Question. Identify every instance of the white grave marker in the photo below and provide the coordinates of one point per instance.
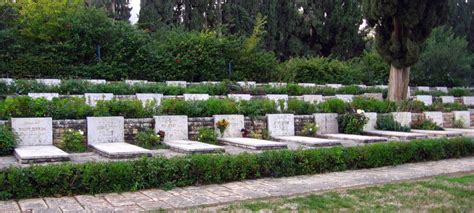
(404, 118)
(345, 98)
(7, 81)
(240, 97)
(47, 96)
(96, 81)
(334, 86)
(468, 100)
(426, 99)
(281, 124)
(149, 97)
(176, 83)
(49, 82)
(464, 116)
(174, 126)
(236, 124)
(105, 130)
(372, 122)
(447, 99)
(307, 84)
(277, 99)
(327, 123)
(442, 89)
(375, 96)
(277, 84)
(436, 117)
(247, 84)
(424, 89)
(93, 98)
(196, 97)
(134, 82)
(313, 98)
(33, 131)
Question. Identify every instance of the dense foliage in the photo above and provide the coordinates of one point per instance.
(159, 172)
(388, 123)
(73, 141)
(8, 140)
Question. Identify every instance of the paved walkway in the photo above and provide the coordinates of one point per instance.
(188, 197)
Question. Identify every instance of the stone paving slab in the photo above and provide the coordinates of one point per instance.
(401, 135)
(210, 195)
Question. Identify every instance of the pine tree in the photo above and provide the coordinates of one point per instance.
(401, 27)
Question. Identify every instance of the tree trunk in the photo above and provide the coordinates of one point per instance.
(398, 84)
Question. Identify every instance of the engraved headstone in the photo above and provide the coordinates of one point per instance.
(211, 82)
(307, 84)
(236, 124)
(176, 83)
(327, 123)
(47, 96)
(174, 126)
(247, 84)
(196, 97)
(404, 118)
(93, 98)
(105, 130)
(447, 99)
(149, 97)
(277, 84)
(381, 86)
(372, 121)
(240, 97)
(313, 98)
(464, 117)
(334, 86)
(424, 89)
(345, 98)
(279, 99)
(436, 117)
(134, 82)
(442, 89)
(96, 81)
(281, 124)
(7, 81)
(375, 96)
(33, 131)
(426, 99)
(49, 82)
(468, 100)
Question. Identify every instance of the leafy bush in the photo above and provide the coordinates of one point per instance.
(73, 141)
(8, 140)
(372, 105)
(458, 92)
(310, 129)
(352, 123)
(207, 135)
(148, 139)
(333, 106)
(386, 122)
(125, 108)
(160, 172)
(426, 124)
(371, 67)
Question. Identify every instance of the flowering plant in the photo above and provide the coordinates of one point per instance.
(222, 126)
(73, 141)
(352, 122)
(310, 129)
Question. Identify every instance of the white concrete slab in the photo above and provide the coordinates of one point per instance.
(334, 86)
(423, 88)
(464, 116)
(356, 138)
(149, 97)
(327, 122)
(313, 98)
(174, 126)
(467, 131)
(240, 97)
(447, 99)
(426, 99)
(188, 146)
(308, 141)
(33, 131)
(105, 130)
(442, 89)
(49, 82)
(437, 133)
(7, 81)
(372, 121)
(468, 100)
(307, 84)
(247, 84)
(277, 98)
(381, 86)
(251, 143)
(281, 124)
(120, 150)
(277, 84)
(37, 154)
(394, 134)
(345, 98)
(435, 116)
(196, 97)
(47, 96)
(236, 124)
(136, 82)
(96, 81)
(93, 98)
(404, 118)
(182, 84)
(375, 96)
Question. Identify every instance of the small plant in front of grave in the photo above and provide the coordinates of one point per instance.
(8, 140)
(459, 123)
(352, 122)
(386, 122)
(425, 124)
(148, 139)
(73, 141)
(310, 129)
(222, 126)
(245, 133)
(265, 134)
(207, 135)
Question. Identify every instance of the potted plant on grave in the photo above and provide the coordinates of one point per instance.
(222, 126)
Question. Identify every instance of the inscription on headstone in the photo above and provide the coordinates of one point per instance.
(176, 83)
(313, 98)
(105, 130)
(404, 118)
(327, 123)
(93, 98)
(96, 81)
(240, 97)
(196, 97)
(236, 124)
(468, 100)
(33, 131)
(464, 117)
(277, 84)
(426, 99)
(134, 82)
(281, 124)
(436, 117)
(149, 97)
(345, 98)
(174, 126)
(447, 99)
(49, 82)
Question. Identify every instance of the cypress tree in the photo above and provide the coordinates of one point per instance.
(401, 28)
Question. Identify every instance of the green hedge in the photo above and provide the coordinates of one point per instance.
(159, 172)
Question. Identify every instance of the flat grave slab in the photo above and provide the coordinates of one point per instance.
(356, 138)
(468, 100)
(191, 147)
(404, 118)
(49, 82)
(438, 133)
(251, 143)
(313, 98)
(93, 98)
(174, 126)
(47, 96)
(464, 116)
(33, 131)
(447, 99)
(120, 150)
(196, 97)
(240, 97)
(149, 97)
(39, 154)
(281, 124)
(308, 141)
(236, 124)
(395, 134)
(435, 116)
(327, 122)
(426, 99)
(345, 98)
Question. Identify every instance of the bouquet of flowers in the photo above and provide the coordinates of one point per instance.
(222, 126)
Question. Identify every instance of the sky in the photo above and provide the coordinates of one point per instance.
(135, 4)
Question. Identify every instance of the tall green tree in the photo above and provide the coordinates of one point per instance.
(401, 27)
(116, 9)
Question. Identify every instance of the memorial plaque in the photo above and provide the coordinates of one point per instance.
(313, 98)
(33, 131)
(327, 123)
(404, 118)
(174, 126)
(424, 89)
(372, 121)
(47, 96)
(334, 86)
(375, 96)
(436, 117)
(281, 124)
(236, 124)
(134, 82)
(240, 97)
(278, 99)
(468, 100)
(442, 89)
(196, 97)
(426, 99)
(464, 116)
(447, 99)
(345, 98)
(176, 83)
(93, 98)
(49, 82)
(306, 84)
(96, 81)
(7, 81)
(247, 84)
(277, 84)
(105, 130)
(149, 97)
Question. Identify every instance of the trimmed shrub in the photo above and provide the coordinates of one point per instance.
(73, 141)
(8, 140)
(148, 139)
(159, 172)
(386, 122)
(425, 124)
(352, 123)
(207, 135)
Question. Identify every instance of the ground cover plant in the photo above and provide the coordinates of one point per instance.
(73, 141)
(148, 139)
(386, 122)
(425, 124)
(160, 172)
(8, 140)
